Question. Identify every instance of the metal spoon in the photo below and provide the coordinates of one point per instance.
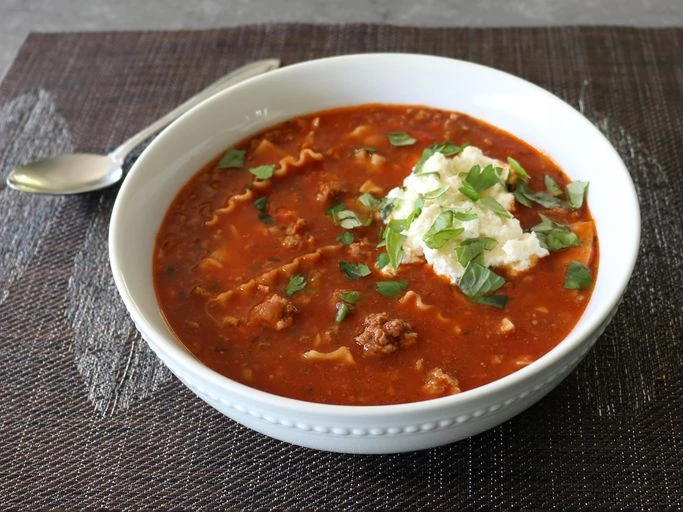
(84, 172)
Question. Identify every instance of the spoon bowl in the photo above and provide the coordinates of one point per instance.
(66, 174)
(84, 172)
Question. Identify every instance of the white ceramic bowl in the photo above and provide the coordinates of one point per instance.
(501, 99)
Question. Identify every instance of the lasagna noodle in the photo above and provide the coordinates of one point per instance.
(286, 165)
(414, 300)
(236, 302)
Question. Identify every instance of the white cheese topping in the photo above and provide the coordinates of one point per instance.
(514, 249)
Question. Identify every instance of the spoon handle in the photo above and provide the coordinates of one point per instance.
(236, 76)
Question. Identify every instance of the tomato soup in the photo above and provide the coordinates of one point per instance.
(284, 264)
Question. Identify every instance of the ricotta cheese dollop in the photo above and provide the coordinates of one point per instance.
(436, 188)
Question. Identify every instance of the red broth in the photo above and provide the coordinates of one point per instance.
(230, 244)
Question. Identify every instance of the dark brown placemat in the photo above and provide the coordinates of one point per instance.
(90, 418)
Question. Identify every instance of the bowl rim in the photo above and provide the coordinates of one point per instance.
(556, 356)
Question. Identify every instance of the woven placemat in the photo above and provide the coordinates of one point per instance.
(91, 419)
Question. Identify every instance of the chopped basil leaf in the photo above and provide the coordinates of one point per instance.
(398, 225)
(369, 202)
(576, 192)
(265, 218)
(436, 192)
(401, 139)
(443, 220)
(578, 277)
(346, 238)
(555, 236)
(295, 284)
(445, 148)
(334, 208)
(354, 270)
(369, 149)
(261, 204)
(558, 239)
(232, 159)
(382, 232)
(551, 186)
(468, 190)
(342, 312)
(518, 169)
(263, 172)
(382, 260)
(347, 219)
(497, 301)
(520, 194)
(472, 249)
(482, 179)
(350, 296)
(464, 216)
(387, 206)
(524, 195)
(440, 238)
(419, 203)
(441, 231)
(495, 207)
(394, 243)
(391, 288)
(479, 280)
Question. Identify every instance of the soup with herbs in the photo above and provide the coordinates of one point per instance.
(375, 254)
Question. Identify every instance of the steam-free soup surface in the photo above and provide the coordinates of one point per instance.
(264, 275)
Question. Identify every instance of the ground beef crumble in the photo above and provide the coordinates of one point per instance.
(382, 335)
(439, 382)
(275, 312)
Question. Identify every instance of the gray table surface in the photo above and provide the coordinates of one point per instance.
(19, 17)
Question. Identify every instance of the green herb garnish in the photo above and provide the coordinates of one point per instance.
(265, 218)
(263, 172)
(354, 270)
(342, 312)
(551, 186)
(350, 296)
(464, 216)
(524, 195)
(495, 207)
(578, 277)
(393, 240)
(472, 249)
(233, 158)
(445, 148)
(346, 238)
(295, 284)
(334, 208)
(555, 236)
(478, 180)
(391, 288)
(348, 219)
(261, 203)
(497, 301)
(478, 282)
(387, 206)
(433, 194)
(382, 260)
(441, 231)
(576, 192)
(518, 169)
(399, 139)
(369, 202)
